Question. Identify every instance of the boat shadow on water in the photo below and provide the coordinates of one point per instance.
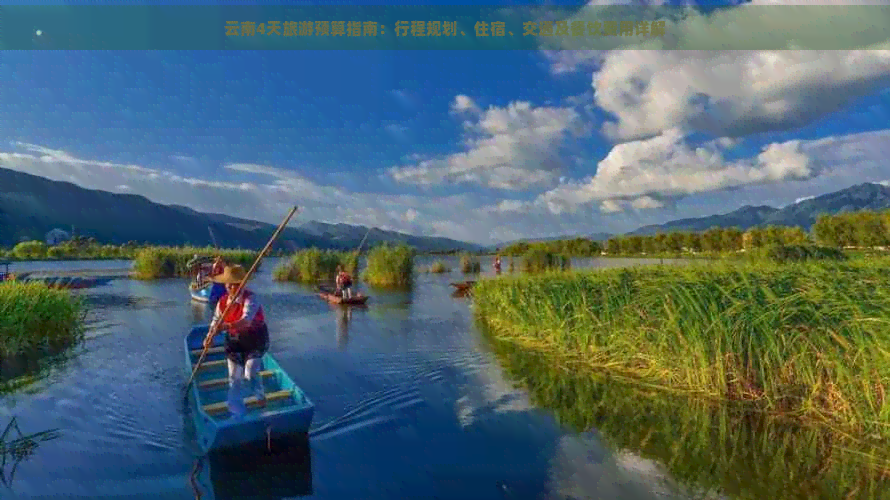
(280, 468)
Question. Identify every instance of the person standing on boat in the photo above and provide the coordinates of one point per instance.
(217, 290)
(248, 336)
(344, 283)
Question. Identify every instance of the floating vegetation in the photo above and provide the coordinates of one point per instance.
(15, 447)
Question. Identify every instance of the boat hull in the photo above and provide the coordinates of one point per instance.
(288, 415)
(208, 294)
(357, 300)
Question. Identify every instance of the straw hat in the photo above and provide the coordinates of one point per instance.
(231, 275)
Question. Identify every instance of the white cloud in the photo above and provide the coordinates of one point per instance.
(667, 166)
(733, 93)
(515, 147)
(464, 104)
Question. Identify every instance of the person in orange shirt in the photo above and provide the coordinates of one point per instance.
(248, 336)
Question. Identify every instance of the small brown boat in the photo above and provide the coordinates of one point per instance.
(355, 300)
(463, 287)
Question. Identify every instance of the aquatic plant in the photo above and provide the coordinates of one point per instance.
(801, 339)
(34, 317)
(313, 265)
(172, 262)
(537, 260)
(705, 448)
(469, 264)
(16, 448)
(438, 267)
(390, 266)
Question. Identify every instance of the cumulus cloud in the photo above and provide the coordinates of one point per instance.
(732, 93)
(464, 104)
(514, 147)
(667, 166)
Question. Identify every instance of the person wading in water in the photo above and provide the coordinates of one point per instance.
(247, 340)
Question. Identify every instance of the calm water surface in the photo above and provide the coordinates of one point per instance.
(409, 403)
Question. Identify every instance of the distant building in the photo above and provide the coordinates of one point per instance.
(57, 236)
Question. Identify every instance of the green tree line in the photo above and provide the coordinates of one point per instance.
(864, 229)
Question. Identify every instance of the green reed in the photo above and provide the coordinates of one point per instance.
(313, 265)
(34, 317)
(390, 266)
(704, 447)
(804, 340)
(172, 262)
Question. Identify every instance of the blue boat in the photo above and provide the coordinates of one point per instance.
(208, 293)
(287, 412)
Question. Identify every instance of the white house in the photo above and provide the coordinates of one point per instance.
(56, 236)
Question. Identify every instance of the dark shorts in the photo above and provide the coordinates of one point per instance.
(249, 345)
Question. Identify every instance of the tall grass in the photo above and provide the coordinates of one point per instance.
(313, 265)
(470, 264)
(438, 267)
(390, 266)
(34, 317)
(801, 339)
(537, 260)
(172, 262)
(704, 447)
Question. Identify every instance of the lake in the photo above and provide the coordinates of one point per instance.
(411, 402)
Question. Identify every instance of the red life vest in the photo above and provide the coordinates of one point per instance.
(237, 310)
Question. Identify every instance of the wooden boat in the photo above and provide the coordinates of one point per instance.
(287, 412)
(356, 300)
(462, 287)
(204, 293)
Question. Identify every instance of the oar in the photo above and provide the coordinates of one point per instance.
(214, 328)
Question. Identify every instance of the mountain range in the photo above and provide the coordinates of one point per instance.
(31, 206)
(866, 196)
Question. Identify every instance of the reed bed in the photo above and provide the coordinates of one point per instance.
(704, 447)
(314, 265)
(172, 262)
(390, 266)
(538, 260)
(807, 340)
(470, 264)
(34, 318)
(438, 267)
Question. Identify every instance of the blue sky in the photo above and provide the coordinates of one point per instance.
(480, 146)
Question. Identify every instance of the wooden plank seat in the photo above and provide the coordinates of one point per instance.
(251, 402)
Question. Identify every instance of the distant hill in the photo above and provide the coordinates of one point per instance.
(867, 196)
(30, 206)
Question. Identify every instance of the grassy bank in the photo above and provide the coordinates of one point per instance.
(313, 265)
(703, 447)
(802, 339)
(34, 317)
(170, 262)
(390, 266)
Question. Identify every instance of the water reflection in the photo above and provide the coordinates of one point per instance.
(344, 316)
(705, 450)
(16, 447)
(279, 469)
(22, 371)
